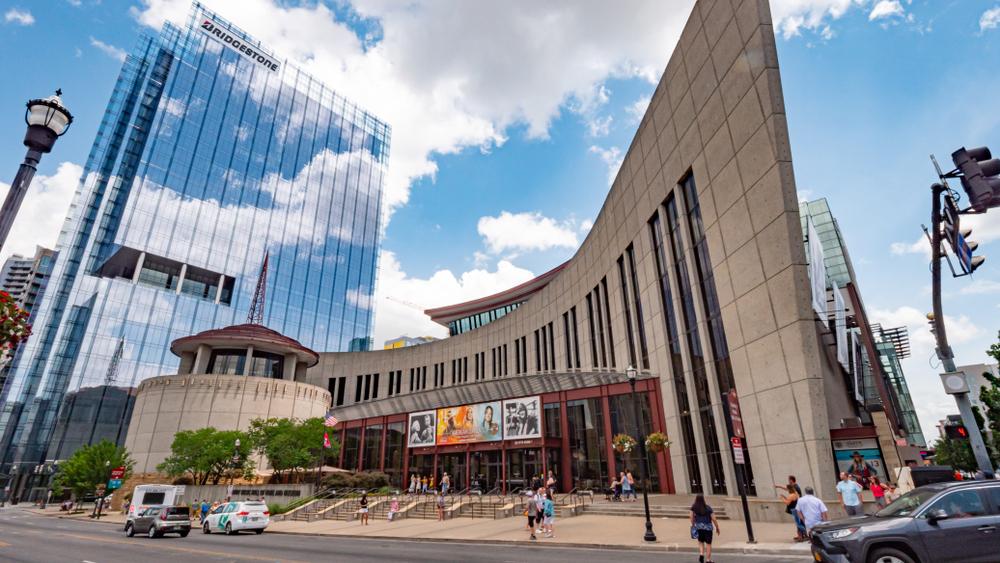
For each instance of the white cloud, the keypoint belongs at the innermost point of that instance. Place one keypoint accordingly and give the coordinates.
(637, 109)
(75, 3)
(435, 73)
(990, 19)
(919, 246)
(984, 230)
(525, 231)
(43, 210)
(612, 157)
(586, 225)
(18, 16)
(792, 17)
(402, 299)
(885, 9)
(960, 329)
(599, 126)
(980, 287)
(109, 50)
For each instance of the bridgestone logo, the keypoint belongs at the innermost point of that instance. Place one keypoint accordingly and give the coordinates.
(220, 34)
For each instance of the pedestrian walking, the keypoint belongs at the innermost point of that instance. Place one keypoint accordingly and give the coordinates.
(703, 524)
(531, 511)
(539, 510)
(363, 509)
(205, 507)
(878, 491)
(631, 485)
(413, 483)
(850, 494)
(445, 484)
(440, 507)
(791, 500)
(793, 482)
(626, 485)
(550, 482)
(549, 516)
(423, 484)
(393, 508)
(811, 510)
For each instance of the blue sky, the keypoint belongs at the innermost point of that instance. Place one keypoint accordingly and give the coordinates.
(504, 129)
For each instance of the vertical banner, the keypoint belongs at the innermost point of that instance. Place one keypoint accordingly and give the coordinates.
(859, 368)
(817, 270)
(840, 322)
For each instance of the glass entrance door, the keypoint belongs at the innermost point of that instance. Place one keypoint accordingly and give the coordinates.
(454, 466)
(522, 466)
(485, 470)
(421, 466)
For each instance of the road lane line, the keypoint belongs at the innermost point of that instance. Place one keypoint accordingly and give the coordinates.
(180, 549)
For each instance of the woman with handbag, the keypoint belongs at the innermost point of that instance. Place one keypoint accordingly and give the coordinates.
(791, 501)
(703, 523)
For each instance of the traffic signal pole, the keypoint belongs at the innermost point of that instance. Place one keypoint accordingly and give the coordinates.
(943, 350)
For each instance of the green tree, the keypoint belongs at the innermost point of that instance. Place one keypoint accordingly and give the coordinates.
(208, 455)
(955, 453)
(91, 466)
(292, 446)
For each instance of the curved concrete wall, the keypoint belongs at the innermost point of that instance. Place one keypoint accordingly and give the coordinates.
(717, 113)
(168, 404)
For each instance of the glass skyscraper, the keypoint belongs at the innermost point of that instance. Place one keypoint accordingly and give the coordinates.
(212, 153)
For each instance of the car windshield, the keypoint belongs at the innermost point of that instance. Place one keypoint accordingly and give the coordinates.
(178, 510)
(907, 504)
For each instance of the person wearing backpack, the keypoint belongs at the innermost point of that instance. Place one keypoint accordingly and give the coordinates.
(549, 513)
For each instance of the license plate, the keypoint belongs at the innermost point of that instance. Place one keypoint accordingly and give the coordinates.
(254, 518)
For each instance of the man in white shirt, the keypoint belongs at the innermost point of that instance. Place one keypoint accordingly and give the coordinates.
(811, 510)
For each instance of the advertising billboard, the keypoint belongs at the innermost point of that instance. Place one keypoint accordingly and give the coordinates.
(467, 424)
(522, 418)
(421, 429)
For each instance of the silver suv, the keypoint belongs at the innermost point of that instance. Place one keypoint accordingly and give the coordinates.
(158, 520)
(940, 523)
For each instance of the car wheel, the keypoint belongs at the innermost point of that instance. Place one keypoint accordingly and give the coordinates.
(185, 533)
(229, 529)
(152, 532)
(205, 528)
(259, 532)
(889, 555)
(129, 530)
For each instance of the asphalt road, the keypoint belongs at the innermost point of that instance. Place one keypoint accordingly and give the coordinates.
(26, 537)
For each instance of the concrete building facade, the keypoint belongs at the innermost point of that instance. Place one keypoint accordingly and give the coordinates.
(694, 273)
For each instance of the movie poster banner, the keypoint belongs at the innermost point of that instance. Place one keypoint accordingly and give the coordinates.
(522, 418)
(421, 429)
(467, 424)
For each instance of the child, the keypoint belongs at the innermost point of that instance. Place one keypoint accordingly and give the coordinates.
(702, 521)
(393, 508)
(549, 516)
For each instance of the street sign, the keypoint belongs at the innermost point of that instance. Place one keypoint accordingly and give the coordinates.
(738, 456)
(734, 413)
(114, 484)
(118, 473)
(181, 489)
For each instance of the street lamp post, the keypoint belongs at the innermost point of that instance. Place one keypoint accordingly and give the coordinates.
(649, 536)
(235, 464)
(100, 501)
(47, 120)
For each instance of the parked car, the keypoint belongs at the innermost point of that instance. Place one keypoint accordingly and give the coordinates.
(155, 521)
(957, 521)
(235, 516)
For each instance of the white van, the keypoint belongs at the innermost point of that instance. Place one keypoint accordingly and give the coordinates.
(144, 496)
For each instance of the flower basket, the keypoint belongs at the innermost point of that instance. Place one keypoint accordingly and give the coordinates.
(14, 327)
(623, 443)
(657, 442)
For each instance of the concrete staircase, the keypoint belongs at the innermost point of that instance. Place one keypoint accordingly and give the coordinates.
(655, 511)
(485, 509)
(313, 510)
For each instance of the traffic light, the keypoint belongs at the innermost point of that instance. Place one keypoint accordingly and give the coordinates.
(956, 432)
(958, 238)
(980, 175)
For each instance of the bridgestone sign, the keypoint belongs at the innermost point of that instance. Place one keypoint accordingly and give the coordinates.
(222, 35)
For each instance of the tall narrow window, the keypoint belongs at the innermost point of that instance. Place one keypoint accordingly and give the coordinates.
(695, 352)
(505, 359)
(607, 317)
(710, 301)
(412, 382)
(358, 387)
(341, 385)
(640, 325)
(593, 333)
(493, 362)
(375, 386)
(392, 384)
(576, 338)
(517, 356)
(524, 352)
(423, 378)
(552, 346)
(538, 353)
(399, 380)
(476, 373)
(465, 369)
(600, 326)
(566, 339)
(454, 373)
(629, 336)
(331, 386)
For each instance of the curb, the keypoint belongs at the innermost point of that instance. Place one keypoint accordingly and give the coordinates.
(656, 547)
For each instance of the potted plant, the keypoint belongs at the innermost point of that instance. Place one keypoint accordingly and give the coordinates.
(657, 442)
(623, 443)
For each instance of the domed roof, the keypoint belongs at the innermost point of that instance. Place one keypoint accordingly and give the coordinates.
(244, 335)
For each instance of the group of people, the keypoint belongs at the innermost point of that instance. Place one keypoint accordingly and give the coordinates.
(424, 484)
(540, 510)
(808, 511)
(623, 487)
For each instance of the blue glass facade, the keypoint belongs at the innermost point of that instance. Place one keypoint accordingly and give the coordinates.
(205, 160)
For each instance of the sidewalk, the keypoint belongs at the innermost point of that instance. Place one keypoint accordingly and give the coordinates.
(623, 532)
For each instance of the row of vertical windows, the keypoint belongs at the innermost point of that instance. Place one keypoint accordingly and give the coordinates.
(599, 312)
(571, 339)
(629, 335)
(472, 322)
(418, 379)
(674, 349)
(335, 385)
(395, 382)
(439, 374)
(690, 329)
(366, 387)
(480, 366)
(593, 333)
(710, 301)
(640, 324)
(545, 349)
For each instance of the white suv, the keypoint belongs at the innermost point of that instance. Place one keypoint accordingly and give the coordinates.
(235, 516)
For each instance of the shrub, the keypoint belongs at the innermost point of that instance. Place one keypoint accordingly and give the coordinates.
(362, 480)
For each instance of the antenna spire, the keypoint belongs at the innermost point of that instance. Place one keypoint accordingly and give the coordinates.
(256, 315)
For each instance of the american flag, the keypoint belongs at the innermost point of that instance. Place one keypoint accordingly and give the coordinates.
(330, 421)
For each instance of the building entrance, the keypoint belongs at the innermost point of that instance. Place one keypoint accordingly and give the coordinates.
(454, 465)
(485, 470)
(522, 465)
(421, 466)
